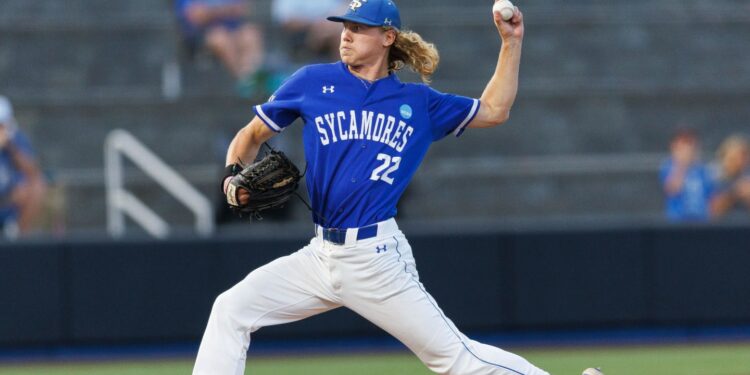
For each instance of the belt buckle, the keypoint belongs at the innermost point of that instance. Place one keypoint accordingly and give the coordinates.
(335, 235)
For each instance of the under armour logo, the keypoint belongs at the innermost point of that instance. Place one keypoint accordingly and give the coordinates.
(328, 90)
(387, 22)
(384, 249)
(356, 4)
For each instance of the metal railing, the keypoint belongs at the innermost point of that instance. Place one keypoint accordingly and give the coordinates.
(120, 202)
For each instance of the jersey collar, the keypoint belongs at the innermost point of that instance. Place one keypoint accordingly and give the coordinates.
(391, 78)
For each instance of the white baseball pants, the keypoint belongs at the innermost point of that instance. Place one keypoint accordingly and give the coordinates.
(376, 278)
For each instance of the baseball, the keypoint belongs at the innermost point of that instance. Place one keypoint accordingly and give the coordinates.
(505, 8)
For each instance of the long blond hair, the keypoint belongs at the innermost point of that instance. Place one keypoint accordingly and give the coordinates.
(411, 50)
(734, 144)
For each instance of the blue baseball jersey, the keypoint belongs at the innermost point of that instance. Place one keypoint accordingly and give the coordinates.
(693, 201)
(363, 141)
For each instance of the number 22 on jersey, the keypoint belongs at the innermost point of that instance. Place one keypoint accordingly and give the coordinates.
(390, 165)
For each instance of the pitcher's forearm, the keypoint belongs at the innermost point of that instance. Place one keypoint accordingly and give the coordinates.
(500, 93)
(246, 144)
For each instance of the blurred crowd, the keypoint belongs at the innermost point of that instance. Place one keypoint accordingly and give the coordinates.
(697, 190)
(229, 31)
(231, 34)
(22, 183)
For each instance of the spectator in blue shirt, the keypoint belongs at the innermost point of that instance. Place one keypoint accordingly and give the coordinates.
(686, 180)
(22, 185)
(223, 27)
(312, 37)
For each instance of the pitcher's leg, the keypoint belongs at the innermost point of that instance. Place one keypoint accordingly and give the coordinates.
(415, 319)
(286, 290)
(412, 316)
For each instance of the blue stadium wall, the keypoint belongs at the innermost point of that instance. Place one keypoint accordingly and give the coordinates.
(88, 292)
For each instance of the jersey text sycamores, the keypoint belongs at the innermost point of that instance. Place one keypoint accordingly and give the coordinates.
(363, 141)
(363, 125)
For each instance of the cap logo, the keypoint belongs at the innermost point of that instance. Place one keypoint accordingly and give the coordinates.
(356, 4)
(388, 22)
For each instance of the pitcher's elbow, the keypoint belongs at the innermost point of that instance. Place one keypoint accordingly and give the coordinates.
(500, 117)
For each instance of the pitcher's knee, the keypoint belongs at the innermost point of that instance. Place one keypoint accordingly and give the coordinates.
(439, 367)
(224, 306)
(237, 310)
(442, 363)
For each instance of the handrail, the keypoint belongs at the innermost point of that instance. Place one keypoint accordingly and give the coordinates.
(119, 144)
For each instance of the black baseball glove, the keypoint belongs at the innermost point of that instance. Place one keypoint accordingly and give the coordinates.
(270, 182)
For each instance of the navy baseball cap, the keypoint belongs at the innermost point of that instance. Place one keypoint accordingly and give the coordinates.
(371, 13)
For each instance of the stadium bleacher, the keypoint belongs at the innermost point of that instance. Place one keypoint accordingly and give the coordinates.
(603, 86)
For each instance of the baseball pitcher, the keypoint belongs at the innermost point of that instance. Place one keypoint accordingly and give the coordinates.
(365, 134)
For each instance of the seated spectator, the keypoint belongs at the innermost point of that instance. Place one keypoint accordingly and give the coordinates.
(732, 177)
(304, 22)
(222, 26)
(22, 185)
(686, 180)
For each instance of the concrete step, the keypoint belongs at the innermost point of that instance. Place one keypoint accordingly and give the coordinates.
(77, 60)
(499, 188)
(196, 131)
(92, 9)
(584, 125)
(184, 132)
(600, 54)
(516, 188)
(85, 198)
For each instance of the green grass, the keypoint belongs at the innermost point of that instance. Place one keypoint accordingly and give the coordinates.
(650, 360)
